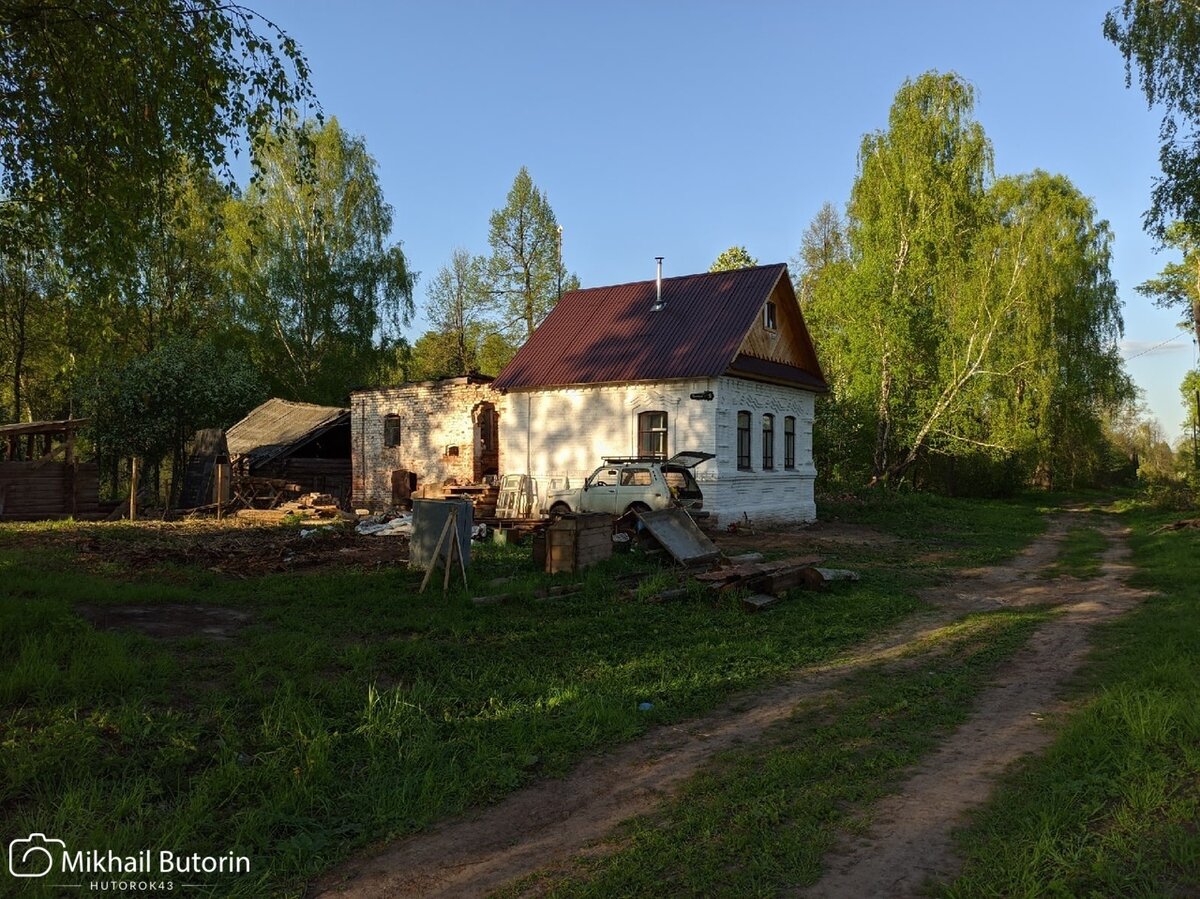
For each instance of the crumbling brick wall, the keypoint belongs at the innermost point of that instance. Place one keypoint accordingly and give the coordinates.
(439, 439)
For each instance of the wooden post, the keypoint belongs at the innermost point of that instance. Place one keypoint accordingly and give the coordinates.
(437, 551)
(72, 471)
(133, 486)
(220, 488)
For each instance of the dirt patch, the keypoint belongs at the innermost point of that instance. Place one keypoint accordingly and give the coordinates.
(909, 842)
(229, 548)
(817, 535)
(168, 620)
(548, 822)
(553, 819)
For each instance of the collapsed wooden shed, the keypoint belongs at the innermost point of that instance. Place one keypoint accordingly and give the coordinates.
(303, 444)
(40, 476)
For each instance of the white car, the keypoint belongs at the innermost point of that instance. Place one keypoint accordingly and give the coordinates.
(625, 483)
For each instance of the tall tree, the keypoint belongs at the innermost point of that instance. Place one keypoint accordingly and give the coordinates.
(1161, 40)
(733, 259)
(822, 245)
(917, 194)
(526, 262)
(460, 304)
(320, 284)
(32, 306)
(1178, 284)
(99, 98)
(970, 316)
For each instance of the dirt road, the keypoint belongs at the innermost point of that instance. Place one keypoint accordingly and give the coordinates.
(552, 820)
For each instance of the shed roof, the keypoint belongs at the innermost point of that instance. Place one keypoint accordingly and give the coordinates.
(610, 334)
(278, 426)
(60, 426)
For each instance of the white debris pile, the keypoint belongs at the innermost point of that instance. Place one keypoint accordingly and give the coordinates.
(382, 525)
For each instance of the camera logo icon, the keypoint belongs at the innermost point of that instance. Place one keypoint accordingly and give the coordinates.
(32, 857)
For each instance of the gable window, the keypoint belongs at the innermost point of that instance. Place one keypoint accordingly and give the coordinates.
(652, 434)
(743, 441)
(789, 441)
(769, 320)
(391, 430)
(768, 442)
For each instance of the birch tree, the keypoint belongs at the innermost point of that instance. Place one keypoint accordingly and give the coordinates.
(971, 315)
(460, 307)
(319, 282)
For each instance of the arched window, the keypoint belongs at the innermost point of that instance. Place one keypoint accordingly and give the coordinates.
(768, 442)
(652, 434)
(743, 440)
(789, 441)
(391, 430)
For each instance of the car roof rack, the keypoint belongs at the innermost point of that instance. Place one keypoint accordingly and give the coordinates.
(617, 460)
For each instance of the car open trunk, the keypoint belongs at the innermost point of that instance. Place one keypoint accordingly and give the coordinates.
(678, 472)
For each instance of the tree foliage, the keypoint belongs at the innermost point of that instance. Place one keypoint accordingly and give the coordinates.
(460, 307)
(1160, 39)
(152, 405)
(822, 246)
(98, 99)
(317, 279)
(733, 259)
(1178, 284)
(966, 315)
(526, 262)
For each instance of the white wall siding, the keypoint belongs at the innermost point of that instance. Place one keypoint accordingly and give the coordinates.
(565, 432)
(776, 495)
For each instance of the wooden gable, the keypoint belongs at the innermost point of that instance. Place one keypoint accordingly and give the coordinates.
(789, 342)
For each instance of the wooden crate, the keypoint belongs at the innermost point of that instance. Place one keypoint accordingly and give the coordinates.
(574, 542)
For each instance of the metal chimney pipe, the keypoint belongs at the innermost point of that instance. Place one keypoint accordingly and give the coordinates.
(658, 300)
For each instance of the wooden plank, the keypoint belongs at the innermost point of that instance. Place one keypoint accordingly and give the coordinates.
(759, 601)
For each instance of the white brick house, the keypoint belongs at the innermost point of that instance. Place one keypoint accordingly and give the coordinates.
(717, 362)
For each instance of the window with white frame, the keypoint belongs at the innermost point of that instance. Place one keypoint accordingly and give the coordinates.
(652, 434)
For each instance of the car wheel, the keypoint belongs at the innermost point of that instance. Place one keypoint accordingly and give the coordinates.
(559, 509)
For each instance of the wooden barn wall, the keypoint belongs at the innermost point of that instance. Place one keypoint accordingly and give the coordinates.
(330, 476)
(33, 490)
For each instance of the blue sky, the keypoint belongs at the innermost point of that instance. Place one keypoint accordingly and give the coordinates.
(678, 129)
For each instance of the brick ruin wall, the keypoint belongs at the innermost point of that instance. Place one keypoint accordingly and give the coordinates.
(438, 437)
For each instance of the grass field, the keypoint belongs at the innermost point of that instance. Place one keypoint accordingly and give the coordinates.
(1112, 808)
(759, 821)
(349, 709)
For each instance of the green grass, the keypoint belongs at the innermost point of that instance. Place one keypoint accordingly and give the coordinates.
(1079, 555)
(352, 709)
(758, 821)
(1112, 808)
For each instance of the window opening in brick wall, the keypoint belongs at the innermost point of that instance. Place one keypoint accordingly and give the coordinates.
(391, 430)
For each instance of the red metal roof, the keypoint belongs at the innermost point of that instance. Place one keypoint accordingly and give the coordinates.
(609, 334)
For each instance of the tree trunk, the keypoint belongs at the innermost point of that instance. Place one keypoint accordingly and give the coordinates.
(883, 429)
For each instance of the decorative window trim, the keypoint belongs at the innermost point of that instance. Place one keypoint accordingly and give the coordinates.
(652, 437)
